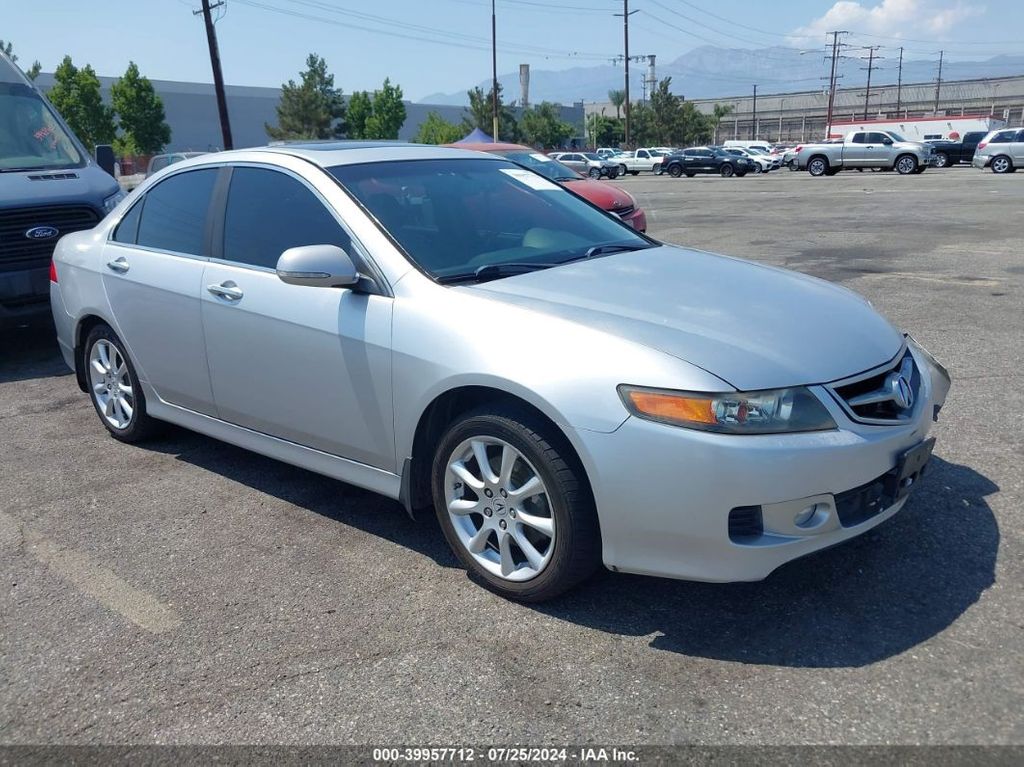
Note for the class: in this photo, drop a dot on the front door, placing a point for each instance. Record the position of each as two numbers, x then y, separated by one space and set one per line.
308 365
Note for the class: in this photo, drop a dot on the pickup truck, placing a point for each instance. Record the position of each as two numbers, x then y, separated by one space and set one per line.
640 160
884 150
949 152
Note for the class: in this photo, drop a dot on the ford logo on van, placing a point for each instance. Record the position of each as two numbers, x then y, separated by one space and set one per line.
42 233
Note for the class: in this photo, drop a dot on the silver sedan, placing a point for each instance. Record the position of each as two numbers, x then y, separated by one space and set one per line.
460 334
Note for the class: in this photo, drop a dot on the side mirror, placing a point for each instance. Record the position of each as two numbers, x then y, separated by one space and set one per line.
105 157
887 141
318 266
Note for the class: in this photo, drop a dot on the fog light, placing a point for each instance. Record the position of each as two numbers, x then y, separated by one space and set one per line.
806 517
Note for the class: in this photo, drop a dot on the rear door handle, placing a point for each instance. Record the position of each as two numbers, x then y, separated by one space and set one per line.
119 265
228 290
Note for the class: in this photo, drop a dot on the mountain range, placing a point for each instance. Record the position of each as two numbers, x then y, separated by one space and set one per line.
710 72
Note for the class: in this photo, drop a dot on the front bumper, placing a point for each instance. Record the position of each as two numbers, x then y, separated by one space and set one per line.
637 219
664 494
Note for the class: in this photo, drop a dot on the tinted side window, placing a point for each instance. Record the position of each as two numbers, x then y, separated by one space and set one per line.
174 217
973 138
859 138
128 229
1005 137
1020 135
269 212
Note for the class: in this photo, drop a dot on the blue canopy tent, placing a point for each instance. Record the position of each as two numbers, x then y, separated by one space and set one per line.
476 136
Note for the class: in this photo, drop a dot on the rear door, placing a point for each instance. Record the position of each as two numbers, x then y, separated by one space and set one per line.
856 150
308 365
152 270
1018 149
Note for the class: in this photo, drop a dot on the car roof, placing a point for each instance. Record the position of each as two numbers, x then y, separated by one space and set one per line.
492 146
330 153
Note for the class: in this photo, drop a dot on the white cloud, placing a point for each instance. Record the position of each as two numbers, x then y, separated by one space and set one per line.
890 18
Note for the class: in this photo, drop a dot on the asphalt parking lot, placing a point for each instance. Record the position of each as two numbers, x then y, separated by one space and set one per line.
191 592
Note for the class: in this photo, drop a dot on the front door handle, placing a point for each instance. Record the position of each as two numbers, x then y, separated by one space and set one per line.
119 265
228 290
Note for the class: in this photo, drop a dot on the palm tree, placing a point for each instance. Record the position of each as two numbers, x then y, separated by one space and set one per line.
618 98
718 113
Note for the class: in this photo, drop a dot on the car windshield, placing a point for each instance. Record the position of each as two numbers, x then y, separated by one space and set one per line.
541 164
895 136
31 138
592 156
467 219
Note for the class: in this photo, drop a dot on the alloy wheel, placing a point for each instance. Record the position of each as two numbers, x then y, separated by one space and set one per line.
499 508
906 164
1000 165
110 383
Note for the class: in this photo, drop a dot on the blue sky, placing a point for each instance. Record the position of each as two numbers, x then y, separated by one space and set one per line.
444 45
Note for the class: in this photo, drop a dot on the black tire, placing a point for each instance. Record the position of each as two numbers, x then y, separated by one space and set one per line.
675 171
141 425
906 164
726 171
941 160
1002 164
818 166
594 173
577 543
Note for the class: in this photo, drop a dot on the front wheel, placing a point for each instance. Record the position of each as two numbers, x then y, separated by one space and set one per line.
906 164
726 170
1002 164
514 504
623 170
114 387
941 160
675 171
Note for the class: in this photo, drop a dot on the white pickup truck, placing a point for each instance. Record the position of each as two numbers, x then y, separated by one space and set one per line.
640 160
883 150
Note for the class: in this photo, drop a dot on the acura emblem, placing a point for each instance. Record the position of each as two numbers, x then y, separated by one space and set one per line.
42 233
899 389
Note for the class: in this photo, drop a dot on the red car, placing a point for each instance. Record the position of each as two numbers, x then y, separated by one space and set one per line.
601 193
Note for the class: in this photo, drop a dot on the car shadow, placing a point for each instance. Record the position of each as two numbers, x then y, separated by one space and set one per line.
30 351
868 599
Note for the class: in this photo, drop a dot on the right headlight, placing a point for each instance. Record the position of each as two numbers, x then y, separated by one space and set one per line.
772 411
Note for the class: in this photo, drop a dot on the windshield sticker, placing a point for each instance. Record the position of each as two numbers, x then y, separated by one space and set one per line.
530 178
541 157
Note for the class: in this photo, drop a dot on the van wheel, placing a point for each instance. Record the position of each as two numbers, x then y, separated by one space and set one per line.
1002 164
594 173
514 503
114 387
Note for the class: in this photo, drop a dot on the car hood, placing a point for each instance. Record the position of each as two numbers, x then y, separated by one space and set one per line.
604 195
753 326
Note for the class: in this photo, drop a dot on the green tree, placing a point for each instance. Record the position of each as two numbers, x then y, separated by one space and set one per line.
32 72
140 113
388 112
359 110
436 130
76 95
543 126
605 131
618 98
480 112
312 109
719 113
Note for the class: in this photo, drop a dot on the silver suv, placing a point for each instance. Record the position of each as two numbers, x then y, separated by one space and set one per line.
1002 150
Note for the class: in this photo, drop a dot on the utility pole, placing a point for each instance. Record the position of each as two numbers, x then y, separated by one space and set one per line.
218 78
938 83
899 84
494 74
753 118
870 66
626 13
832 81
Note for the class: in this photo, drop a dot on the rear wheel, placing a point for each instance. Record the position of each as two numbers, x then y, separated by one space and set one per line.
1002 164
818 166
594 173
726 170
623 170
114 387
514 505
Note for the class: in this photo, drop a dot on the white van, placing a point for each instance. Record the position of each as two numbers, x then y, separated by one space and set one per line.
762 145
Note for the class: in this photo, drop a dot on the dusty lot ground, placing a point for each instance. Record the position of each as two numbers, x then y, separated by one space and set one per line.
188 591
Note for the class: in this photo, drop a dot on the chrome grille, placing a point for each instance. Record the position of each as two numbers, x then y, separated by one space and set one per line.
624 212
19 252
886 395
